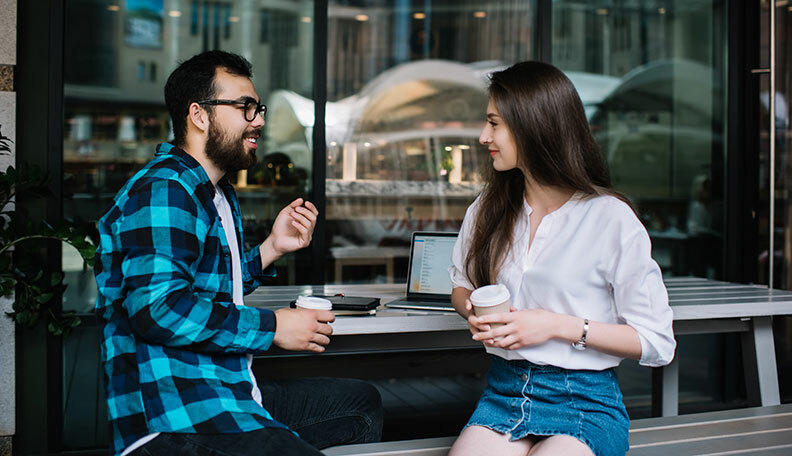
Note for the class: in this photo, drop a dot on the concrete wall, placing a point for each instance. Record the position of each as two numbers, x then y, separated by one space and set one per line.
8 29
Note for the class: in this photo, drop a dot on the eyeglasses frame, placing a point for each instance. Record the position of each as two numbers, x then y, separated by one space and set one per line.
261 108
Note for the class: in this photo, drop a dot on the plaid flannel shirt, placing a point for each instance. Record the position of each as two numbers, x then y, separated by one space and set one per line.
174 345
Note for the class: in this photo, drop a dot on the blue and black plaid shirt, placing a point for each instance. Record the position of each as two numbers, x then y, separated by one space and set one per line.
174 344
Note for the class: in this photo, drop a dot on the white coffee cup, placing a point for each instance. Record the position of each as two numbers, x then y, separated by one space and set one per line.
312 302
490 299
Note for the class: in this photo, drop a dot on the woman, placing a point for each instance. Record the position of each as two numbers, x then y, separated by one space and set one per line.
585 292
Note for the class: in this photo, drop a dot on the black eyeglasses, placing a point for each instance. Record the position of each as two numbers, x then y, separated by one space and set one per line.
250 106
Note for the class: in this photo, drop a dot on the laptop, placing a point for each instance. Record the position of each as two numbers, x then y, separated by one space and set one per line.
428 283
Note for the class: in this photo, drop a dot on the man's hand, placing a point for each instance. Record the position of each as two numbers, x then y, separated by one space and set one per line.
292 230
302 329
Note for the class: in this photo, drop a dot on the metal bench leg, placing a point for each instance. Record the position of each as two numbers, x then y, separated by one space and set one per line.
665 390
759 354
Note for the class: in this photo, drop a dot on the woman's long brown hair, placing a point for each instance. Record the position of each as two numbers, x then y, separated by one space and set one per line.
555 147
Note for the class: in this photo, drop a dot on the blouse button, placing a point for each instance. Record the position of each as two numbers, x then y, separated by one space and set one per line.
525 377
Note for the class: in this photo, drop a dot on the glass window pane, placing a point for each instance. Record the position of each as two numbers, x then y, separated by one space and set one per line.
652 78
118 55
406 103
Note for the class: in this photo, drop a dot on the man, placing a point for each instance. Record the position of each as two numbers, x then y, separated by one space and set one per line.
177 338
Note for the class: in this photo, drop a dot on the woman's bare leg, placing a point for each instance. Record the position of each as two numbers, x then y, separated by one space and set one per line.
478 440
560 444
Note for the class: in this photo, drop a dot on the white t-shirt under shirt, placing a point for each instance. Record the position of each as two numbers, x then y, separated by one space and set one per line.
590 258
227 220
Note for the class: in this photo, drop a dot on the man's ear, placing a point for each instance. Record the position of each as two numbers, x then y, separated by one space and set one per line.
198 116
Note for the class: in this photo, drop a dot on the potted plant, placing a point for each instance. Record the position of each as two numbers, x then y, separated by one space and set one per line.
22 273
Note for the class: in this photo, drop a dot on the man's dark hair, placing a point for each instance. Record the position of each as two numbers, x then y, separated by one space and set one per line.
194 80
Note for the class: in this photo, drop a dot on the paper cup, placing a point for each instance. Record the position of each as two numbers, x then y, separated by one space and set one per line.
490 299
311 302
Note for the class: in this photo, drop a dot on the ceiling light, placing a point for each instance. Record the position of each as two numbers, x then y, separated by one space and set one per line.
419 15
113 8
480 14
174 13
362 17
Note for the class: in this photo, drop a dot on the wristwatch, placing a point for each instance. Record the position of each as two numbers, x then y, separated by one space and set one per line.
581 343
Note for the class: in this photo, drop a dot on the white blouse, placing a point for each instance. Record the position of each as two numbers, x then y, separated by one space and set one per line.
590 258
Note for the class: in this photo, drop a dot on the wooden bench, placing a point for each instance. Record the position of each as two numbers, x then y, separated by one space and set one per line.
765 431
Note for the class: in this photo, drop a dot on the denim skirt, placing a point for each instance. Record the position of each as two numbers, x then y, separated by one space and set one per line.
525 399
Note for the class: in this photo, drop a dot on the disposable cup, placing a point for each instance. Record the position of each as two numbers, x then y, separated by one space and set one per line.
490 299
312 302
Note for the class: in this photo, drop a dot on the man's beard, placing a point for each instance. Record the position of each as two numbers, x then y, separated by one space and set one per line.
228 154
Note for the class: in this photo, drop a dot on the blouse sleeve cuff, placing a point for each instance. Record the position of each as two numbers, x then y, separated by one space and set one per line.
458 279
651 356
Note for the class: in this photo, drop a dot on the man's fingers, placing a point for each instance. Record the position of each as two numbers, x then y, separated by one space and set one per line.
320 339
325 316
303 220
300 228
296 203
310 206
325 329
315 348
307 213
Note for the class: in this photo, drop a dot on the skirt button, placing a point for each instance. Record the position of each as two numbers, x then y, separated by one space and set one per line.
525 377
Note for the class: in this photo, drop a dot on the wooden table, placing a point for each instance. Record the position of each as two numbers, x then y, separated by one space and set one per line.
700 306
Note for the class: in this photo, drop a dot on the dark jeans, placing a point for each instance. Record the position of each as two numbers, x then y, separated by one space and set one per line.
324 411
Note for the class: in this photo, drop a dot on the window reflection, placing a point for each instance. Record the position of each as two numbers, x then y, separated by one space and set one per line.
118 55
406 104
652 81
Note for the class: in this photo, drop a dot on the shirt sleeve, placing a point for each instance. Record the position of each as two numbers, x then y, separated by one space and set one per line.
253 275
640 295
161 240
456 271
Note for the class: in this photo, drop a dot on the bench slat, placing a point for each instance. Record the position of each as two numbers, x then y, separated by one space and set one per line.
420 447
764 431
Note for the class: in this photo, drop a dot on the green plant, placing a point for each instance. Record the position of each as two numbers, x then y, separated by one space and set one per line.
23 273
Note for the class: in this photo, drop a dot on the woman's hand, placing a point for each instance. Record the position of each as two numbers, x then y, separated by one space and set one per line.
472 320
521 328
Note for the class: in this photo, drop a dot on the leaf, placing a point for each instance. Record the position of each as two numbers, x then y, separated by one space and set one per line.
44 298
56 278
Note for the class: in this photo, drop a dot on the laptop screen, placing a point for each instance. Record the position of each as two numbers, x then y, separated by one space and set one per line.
430 258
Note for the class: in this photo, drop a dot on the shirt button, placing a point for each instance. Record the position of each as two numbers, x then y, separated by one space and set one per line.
525 377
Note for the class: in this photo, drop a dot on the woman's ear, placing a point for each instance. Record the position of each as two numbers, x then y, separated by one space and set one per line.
198 117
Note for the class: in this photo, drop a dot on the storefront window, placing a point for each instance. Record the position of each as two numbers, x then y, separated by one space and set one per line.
652 77
406 103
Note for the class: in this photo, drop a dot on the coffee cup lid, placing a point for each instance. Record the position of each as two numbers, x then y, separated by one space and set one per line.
312 302
490 295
